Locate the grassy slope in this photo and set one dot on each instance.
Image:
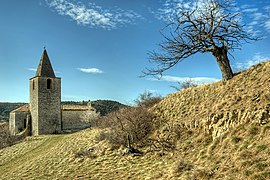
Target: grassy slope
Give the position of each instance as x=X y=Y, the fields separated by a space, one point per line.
x=238 y=110
x=241 y=151
x=54 y=157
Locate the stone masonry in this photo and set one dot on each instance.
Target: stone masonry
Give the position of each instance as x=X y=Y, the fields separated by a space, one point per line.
x=45 y=113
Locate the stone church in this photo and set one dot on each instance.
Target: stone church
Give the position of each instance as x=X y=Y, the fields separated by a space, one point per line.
x=45 y=114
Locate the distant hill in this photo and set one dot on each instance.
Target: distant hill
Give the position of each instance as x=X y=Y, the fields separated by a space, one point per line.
x=106 y=106
x=5 y=109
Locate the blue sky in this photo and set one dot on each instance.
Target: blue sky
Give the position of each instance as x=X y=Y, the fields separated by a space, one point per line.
x=99 y=47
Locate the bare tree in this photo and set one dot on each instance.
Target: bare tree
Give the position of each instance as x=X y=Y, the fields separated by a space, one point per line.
x=205 y=26
x=185 y=84
x=147 y=99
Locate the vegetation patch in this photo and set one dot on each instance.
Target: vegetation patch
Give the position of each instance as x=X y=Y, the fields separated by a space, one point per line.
x=253 y=131
x=236 y=139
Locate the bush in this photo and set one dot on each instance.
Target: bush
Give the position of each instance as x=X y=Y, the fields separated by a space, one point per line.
x=262 y=147
x=127 y=126
x=236 y=139
x=253 y=131
x=260 y=166
x=5 y=138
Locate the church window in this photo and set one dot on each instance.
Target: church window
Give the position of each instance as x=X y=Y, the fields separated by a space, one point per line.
x=33 y=85
x=24 y=123
x=49 y=83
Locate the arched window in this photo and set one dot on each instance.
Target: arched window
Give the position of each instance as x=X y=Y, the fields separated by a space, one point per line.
x=33 y=85
x=49 y=83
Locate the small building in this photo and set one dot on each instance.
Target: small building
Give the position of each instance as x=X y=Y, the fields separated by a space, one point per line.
x=45 y=114
x=18 y=119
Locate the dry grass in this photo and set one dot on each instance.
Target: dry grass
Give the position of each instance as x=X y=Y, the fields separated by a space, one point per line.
x=247 y=92
x=77 y=156
x=80 y=156
x=221 y=130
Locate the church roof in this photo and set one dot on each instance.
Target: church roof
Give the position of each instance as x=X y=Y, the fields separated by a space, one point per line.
x=45 y=67
x=73 y=107
x=24 y=108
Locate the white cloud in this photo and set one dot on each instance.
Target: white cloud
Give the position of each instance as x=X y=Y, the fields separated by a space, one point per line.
x=253 y=23
x=198 y=80
x=259 y=16
x=267 y=8
x=256 y=18
x=32 y=69
x=245 y=6
x=267 y=25
x=91 y=70
x=256 y=59
x=171 y=8
x=93 y=15
x=250 y=10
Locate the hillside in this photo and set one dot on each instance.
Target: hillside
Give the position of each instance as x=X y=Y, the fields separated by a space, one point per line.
x=218 y=107
x=220 y=131
x=214 y=131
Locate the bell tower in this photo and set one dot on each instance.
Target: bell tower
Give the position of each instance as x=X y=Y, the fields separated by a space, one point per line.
x=45 y=99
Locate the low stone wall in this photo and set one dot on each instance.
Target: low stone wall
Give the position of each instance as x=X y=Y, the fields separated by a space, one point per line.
x=75 y=119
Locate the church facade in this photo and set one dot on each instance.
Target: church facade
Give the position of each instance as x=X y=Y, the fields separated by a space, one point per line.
x=45 y=114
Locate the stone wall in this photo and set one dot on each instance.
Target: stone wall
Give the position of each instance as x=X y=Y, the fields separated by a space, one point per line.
x=45 y=105
x=17 y=122
x=75 y=119
x=34 y=104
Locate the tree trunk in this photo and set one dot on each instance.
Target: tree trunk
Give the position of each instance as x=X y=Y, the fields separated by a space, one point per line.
x=222 y=59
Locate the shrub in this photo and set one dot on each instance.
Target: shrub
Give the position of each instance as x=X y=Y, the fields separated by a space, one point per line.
x=253 y=131
x=130 y=125
x=5 y=138
x=236 y=139
x=260 y=166
x=127 y=126
x=262 y=147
